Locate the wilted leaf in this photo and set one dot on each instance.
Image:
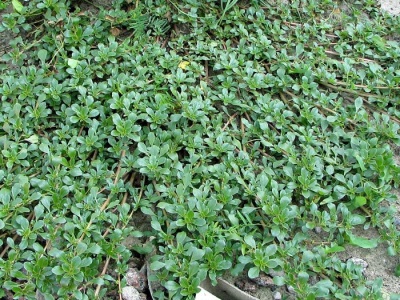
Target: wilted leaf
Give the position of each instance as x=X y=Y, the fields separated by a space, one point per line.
x=115 y=31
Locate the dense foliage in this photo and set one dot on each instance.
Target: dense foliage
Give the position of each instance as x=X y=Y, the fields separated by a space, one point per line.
x=238 y=127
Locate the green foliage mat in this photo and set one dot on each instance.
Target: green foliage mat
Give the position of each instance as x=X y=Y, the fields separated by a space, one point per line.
x=239 y=128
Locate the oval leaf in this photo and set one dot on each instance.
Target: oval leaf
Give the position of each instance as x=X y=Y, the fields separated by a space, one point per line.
x=17 y=6
x=72 y=63
x=363 y=242
x=253 y=272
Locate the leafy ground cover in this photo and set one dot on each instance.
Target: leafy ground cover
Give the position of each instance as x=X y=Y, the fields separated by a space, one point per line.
x=237 y=127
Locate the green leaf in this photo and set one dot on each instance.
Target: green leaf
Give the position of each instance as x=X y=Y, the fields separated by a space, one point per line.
x=363 y=242
x=76 y=262
x=23 y=222
x=94 y=249
x=142 y=147
x=249 y=240
x=172 y=285
x=157 y=265
x=248 y=210
x=72 y=63
x=224 y=265
x=303 y=276
x=356 y=219
x=397 y=271
x=254 y=272
x=245 y=259
x=279 y=280
x=360 y=162
x=45 y=148
x=42 y=55
x=54 y=252
x=17 y=6
x=299 y=49
x=330 y=170
x=359 y=201
x=391 y=251
x=270 y=250
x=57 y=270
x=143 y=249
x=331 y=119
x=394 y=297
x=10 y=285
x=137 y=234
x=81 y=248
x=147 y=211
x=334 y=249
x=273 y=263
x=233 y=219
x=180 y=237
x=34 y=139
x=374 y=67
x=87 y=261
x=156 y=225
x=358 y=102
x=197 y=254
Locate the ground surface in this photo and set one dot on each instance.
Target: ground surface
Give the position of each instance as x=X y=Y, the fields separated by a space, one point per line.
x=391 y=6
x=380 y=265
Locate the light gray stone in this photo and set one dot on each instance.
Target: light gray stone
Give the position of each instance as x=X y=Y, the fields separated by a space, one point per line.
x=290 y=289
x=277 y=296
x=130 y=293
x=360 y=262
x=391 y=6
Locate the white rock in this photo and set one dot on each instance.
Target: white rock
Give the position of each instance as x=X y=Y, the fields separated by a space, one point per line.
x=391 y=6
x=360 y=262
x=274 y=273
x=290 y=289
x=130 y=293
x=277 y=296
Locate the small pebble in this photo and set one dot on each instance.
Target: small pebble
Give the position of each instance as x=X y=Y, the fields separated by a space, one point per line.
x=264 y=280
x=313 y=280
x=277 y=296
x=396 y=221
x=245 y=285
x=130 y=293
x=137 y=279
x=360 y=262
x=318 y=230
x=290 y=289
x=143 y=296
x=274 y=273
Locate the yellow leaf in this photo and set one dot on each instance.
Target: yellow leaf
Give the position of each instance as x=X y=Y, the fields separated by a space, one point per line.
x=183 y=64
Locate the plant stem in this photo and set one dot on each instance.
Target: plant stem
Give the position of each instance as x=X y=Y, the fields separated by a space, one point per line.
x=105 y=204
x=350 y=91
x=103 y=272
